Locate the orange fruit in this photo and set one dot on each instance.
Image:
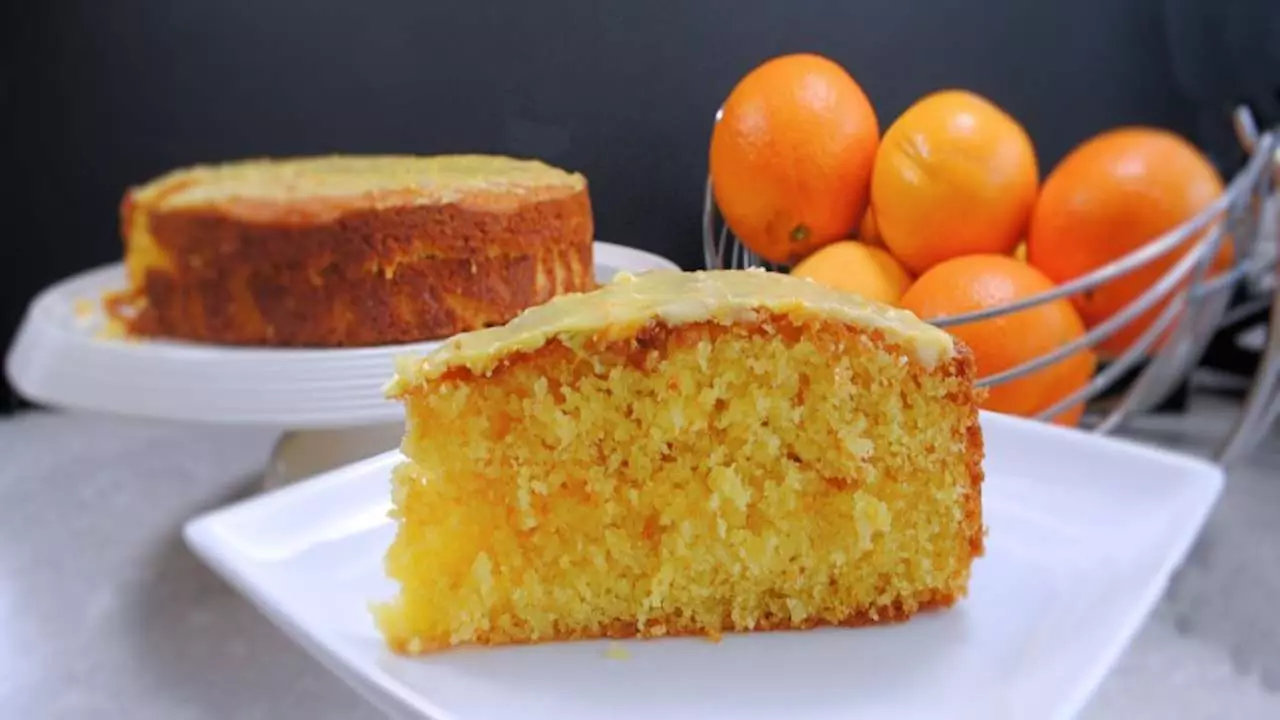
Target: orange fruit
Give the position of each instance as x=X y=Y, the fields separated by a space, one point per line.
x=978 y=282
x=1110 y=196
x=955 y=175
x=867 y=230
x=858 y=268
x=791 y=156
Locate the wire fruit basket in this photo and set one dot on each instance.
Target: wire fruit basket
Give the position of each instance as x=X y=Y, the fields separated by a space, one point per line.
x=1247 y=214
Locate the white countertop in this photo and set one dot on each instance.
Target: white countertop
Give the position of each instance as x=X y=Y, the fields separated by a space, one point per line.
x=105 y=614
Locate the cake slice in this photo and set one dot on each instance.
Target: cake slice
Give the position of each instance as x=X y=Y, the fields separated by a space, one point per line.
x=683 y=453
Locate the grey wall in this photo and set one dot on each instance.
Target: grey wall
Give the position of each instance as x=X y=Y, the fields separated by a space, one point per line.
x=99 y=94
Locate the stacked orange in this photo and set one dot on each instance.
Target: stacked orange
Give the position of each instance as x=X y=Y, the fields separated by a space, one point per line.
x=945 y=215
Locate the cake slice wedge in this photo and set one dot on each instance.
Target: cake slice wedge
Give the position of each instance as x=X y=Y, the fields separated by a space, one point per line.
x=683 y=453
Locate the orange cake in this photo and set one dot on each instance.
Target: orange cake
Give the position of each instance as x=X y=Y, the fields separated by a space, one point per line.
x=683 y=453
x=349 y=250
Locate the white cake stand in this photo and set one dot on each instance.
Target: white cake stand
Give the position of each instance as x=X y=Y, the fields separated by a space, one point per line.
x=329 y=401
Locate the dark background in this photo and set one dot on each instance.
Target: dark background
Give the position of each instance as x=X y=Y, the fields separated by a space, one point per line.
x=98 y=94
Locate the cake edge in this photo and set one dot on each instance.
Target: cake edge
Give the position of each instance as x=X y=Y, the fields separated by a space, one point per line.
x=671 y=626
x=605 y=311
x=163 y=193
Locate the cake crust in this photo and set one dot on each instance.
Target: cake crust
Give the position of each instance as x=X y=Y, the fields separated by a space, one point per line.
x=385 y=250
x=674 y=625
x=630 y=302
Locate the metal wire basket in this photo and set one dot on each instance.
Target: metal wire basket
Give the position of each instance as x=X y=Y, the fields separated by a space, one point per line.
x=1247 y=214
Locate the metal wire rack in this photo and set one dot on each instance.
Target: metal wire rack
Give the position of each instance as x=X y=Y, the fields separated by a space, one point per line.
x=1247 y=214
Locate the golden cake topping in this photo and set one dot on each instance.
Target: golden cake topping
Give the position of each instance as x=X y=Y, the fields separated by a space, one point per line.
x=674 y=298
x=306 y=186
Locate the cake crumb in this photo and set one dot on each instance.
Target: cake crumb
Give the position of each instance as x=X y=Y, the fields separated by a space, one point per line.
x=616 y=651
x=732 y=521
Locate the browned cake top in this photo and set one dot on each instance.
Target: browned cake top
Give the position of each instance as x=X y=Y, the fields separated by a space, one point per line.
x=318 y=189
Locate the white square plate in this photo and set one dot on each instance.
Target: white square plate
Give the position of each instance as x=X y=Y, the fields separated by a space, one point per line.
x=1084 y=533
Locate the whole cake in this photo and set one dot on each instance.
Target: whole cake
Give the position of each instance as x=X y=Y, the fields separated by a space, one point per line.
x=349 y=250
x=683 y=453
